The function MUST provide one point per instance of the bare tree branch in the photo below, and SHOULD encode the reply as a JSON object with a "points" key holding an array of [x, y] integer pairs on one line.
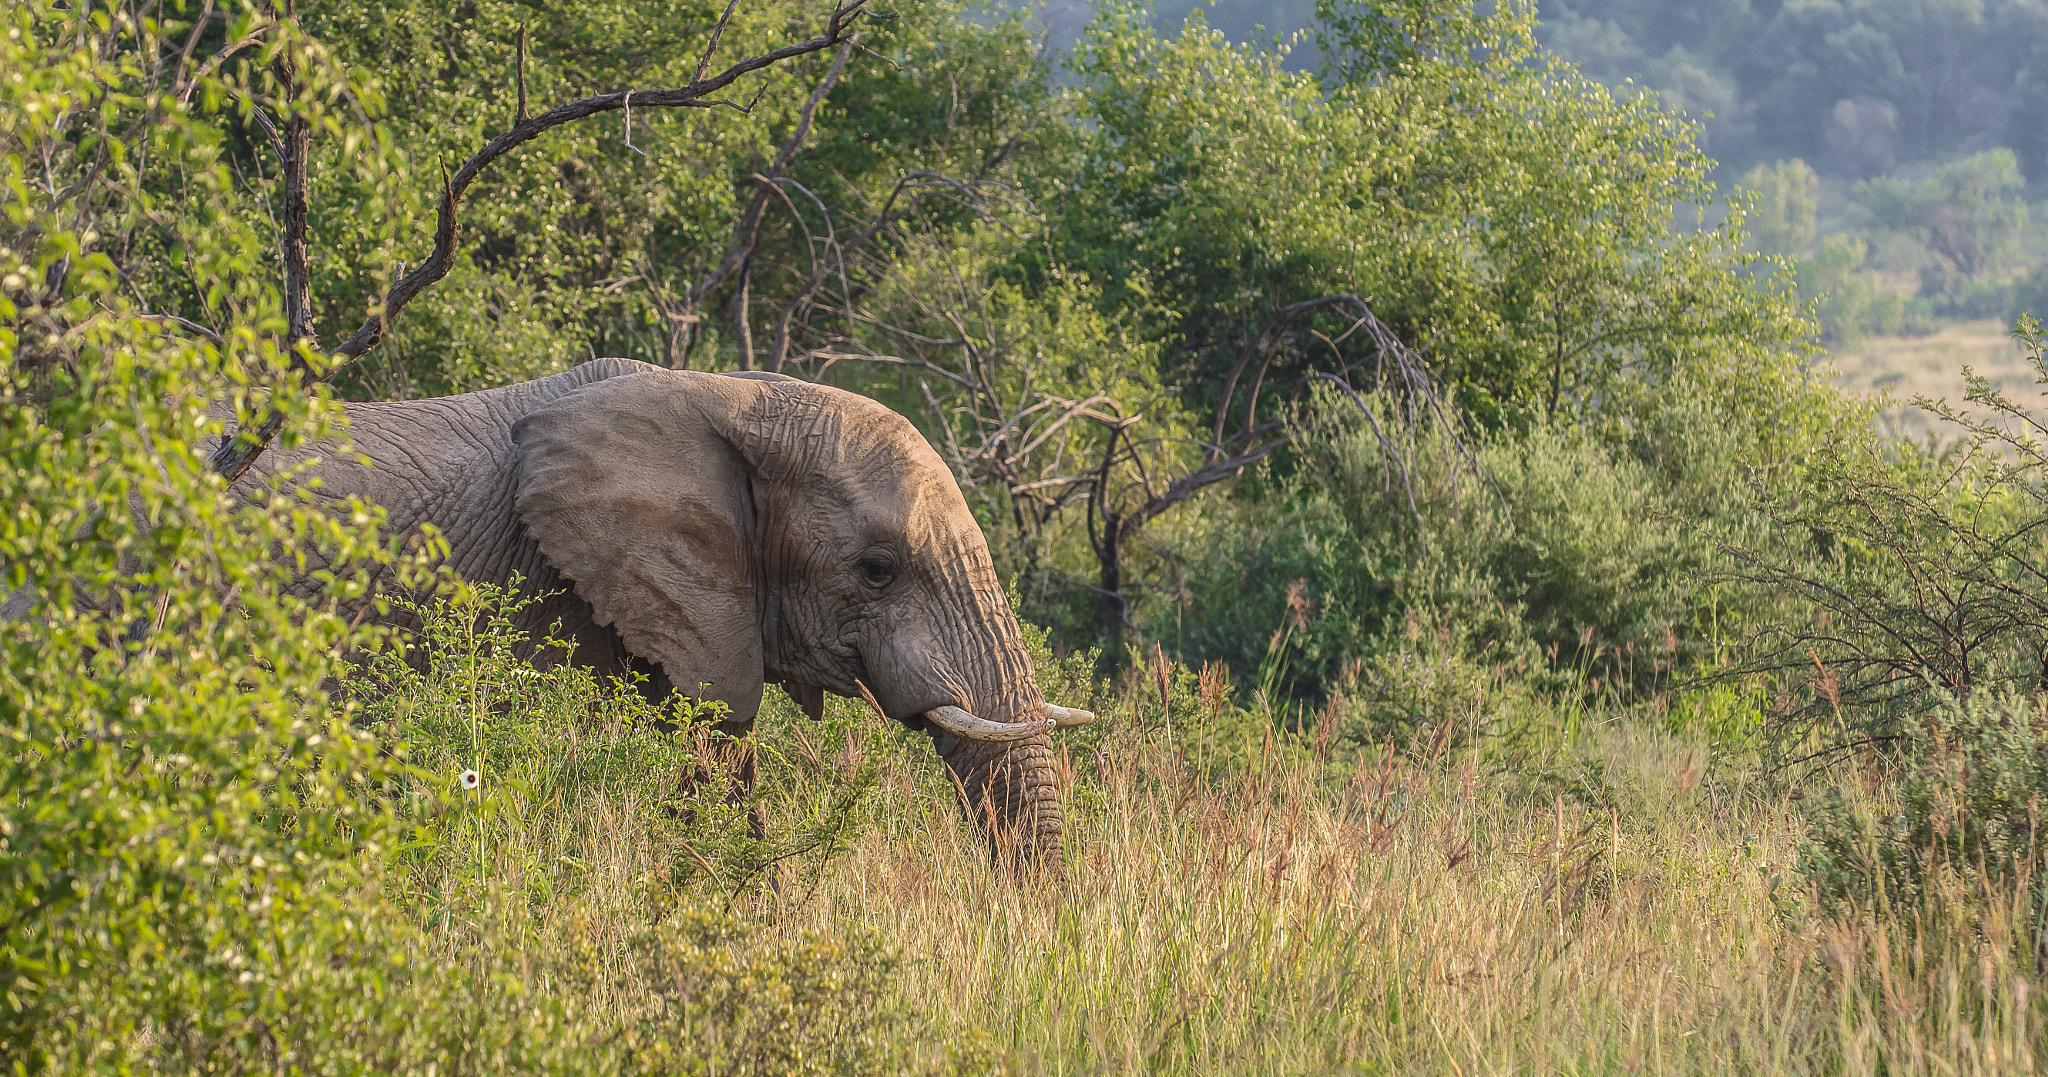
{"points": [[298, 146], [213, 62], [889, 215], [519, 116], [191, 43], [695, 95], [1195, 481], [747, 232], [717, 35], [238, 452], [183, 323]]}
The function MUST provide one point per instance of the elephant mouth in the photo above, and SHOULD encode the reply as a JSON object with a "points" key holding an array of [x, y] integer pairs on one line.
{"points": [[1048, 717]]}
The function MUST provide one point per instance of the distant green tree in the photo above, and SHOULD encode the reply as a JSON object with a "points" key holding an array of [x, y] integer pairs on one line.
{"points": [[1968, 215], [2026, 118], [1856, 87], [1850, 299], [1787, 207], [2030, 295]]}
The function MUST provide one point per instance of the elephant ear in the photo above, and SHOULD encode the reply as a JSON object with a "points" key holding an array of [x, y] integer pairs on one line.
{"points": [[634, 489]]}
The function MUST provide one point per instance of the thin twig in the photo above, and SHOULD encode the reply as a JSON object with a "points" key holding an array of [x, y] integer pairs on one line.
{"points": [[519, 116], [748, 230]]}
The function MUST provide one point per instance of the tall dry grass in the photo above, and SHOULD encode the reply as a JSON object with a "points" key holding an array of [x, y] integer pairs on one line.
{"points": [[1436, 916], [1411, 917], [1239, 900]]}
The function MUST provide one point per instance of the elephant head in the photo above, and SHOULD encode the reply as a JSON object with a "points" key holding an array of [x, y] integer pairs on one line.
{"points": [[740, 530]]}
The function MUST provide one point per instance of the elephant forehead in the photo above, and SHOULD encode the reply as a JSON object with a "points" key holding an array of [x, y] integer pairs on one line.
{"points": [[857, 452], [908, 491]]}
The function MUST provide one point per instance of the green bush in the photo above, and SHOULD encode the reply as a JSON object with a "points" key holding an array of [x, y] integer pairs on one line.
{"points": [[498, 750], [1572, 561], [1895, 576], [698, 991], [575, 896], [183, 830], [1967, 812], [1556, 557], [182, 826], [510, 767]]}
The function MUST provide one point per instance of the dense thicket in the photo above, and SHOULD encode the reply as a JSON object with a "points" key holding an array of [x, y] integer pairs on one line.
{"points": [[1065, 283]]}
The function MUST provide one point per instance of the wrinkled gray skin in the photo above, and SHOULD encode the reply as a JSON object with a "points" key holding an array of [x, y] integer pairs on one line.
{"points": [[721, 532]]}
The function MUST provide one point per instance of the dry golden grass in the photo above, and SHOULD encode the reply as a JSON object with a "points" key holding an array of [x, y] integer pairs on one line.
{"points": [[1904, 367], [1281, 913], [1412, 919]]}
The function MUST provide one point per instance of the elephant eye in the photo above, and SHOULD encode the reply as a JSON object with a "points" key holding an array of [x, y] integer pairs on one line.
{"points": [[878, 570]]}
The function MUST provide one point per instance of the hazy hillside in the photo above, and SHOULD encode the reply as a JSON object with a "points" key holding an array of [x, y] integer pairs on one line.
{"points": [[1894, 146], [1854, 88]]}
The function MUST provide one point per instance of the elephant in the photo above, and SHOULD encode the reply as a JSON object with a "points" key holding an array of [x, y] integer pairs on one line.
{"points": [[720, 532]]}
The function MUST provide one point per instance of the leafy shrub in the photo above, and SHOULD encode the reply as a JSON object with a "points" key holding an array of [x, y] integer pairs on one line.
{"points": [[1557, 557], [1969, 812], [497, 749], [181, 830], [210, 859], [1431, 687], [700, 992], [553, 783]]}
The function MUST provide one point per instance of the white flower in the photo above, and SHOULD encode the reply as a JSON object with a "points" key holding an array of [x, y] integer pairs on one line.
{"points": [[471, 779]]}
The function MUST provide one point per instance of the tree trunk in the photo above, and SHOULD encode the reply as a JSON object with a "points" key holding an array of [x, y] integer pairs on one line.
{"points": [[1115, 608]]}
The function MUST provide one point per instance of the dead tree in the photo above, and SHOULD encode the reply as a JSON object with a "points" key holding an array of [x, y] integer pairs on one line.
{"points": [[1126, 492]]}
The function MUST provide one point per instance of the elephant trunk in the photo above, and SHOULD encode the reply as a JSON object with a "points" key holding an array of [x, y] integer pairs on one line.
{"points": [[1011, 789], [997, 744]]}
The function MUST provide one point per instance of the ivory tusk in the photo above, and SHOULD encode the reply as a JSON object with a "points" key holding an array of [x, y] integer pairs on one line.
{"points": [[1068, 717], [962, 724]]}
